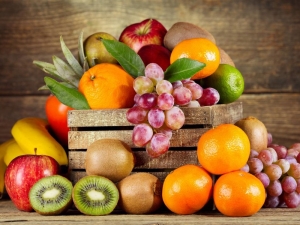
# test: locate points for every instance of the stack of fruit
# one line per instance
(153, 72)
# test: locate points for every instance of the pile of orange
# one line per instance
(221, 151)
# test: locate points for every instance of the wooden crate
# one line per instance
(87, 126)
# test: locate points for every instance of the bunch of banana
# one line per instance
(29, 134)
(32, 133)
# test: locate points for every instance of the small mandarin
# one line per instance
(223, 149)
(187, 189)
(107, 86)
(238, 193)
(200, 49)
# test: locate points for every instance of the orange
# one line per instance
(238, 193)
(107, 86)
(228, 81)
(200, 49)
(223, 149)
(187, 189)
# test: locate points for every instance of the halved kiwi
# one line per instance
(95, 195)
(51, 195)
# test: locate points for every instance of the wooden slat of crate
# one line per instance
(208, 115)
(180, 138)
(166, 161)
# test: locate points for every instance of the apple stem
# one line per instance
(146, 28)
(35, 149)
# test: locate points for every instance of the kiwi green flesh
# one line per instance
(51, 195)
(95, 195)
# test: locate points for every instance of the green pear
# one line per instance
(95, 50)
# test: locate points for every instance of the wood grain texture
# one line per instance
(260, 36)
(180, 138)
(10, 215)
(171, 160)
(208, 116)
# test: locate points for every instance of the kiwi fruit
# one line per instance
(110, 158)
(225, 58)
(51, 195)
(140, 193)
(256, 132)
(182, 31)
(95, 195)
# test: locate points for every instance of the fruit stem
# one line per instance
(35, 150)
(146, 28)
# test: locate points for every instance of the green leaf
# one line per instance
(70, 58)
(68, 96)
(128, 59)
(49, 69)
(183, 68)
(86, 66)
(43, 65)
(82, 57)
(45, 87)
(65, 71)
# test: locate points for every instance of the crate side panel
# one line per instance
(227, 113)
(117, 117)
(82, 139)
(180, 138)
(97, 118)
(200, 115)
(171, 159)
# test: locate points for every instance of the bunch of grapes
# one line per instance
(278, 168)
(157, 111)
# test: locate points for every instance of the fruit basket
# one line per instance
(87, 126)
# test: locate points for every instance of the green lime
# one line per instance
(228, 81)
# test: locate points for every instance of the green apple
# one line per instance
(95, 50)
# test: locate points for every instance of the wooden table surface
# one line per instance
(10, 215)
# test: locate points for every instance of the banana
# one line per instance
(31, 133)
(13, 150)
(3, 148)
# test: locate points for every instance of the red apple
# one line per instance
(149, 31)
(155, 54)
(23, 172)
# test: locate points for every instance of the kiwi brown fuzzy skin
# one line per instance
(110, 158)
(256, 132)
(140, 193)
(182, 31)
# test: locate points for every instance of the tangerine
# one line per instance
(238, 193)
(200, 49)
(187, 189)
(223, 149)
(107, 86)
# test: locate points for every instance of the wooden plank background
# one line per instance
(261, 36)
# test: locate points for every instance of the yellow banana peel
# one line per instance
(13, 150)
(31, 133)
(3, 148)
